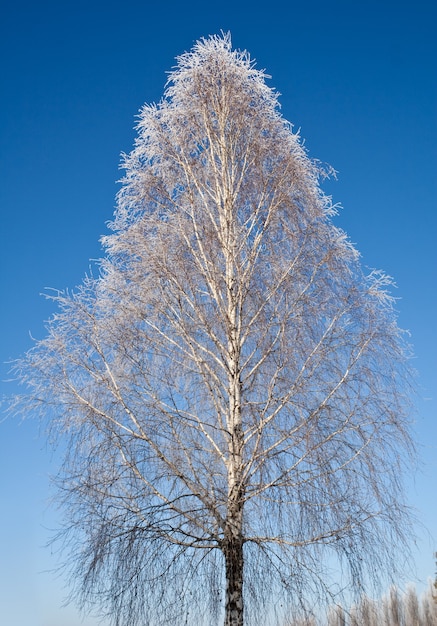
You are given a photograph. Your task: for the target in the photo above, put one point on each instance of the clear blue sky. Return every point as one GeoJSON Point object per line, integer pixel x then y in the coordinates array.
{"type": "Point", "coordinates": [358, 79]}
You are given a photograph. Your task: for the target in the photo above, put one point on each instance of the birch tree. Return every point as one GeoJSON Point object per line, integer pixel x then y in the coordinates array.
{"type": "Point", "coordinates": [411, 610]}
{"type": "Point", "coordinates": [232, 387]}
{"type": "Point", "coordinates": [428, 607]}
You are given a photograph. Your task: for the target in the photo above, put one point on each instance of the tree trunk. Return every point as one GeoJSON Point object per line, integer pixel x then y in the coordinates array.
{"type": "Point", "coordinates": [233, 540]}
{"type": "Point", "coordinates": [233, 553]}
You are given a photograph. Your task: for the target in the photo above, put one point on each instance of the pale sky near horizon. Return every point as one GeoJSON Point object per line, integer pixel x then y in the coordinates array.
{"type": "Point", "coordinates": [359, 80]}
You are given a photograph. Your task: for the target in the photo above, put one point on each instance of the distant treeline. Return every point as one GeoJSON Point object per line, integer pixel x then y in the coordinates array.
{"type": "Point", "coordinates": [395, 609]}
